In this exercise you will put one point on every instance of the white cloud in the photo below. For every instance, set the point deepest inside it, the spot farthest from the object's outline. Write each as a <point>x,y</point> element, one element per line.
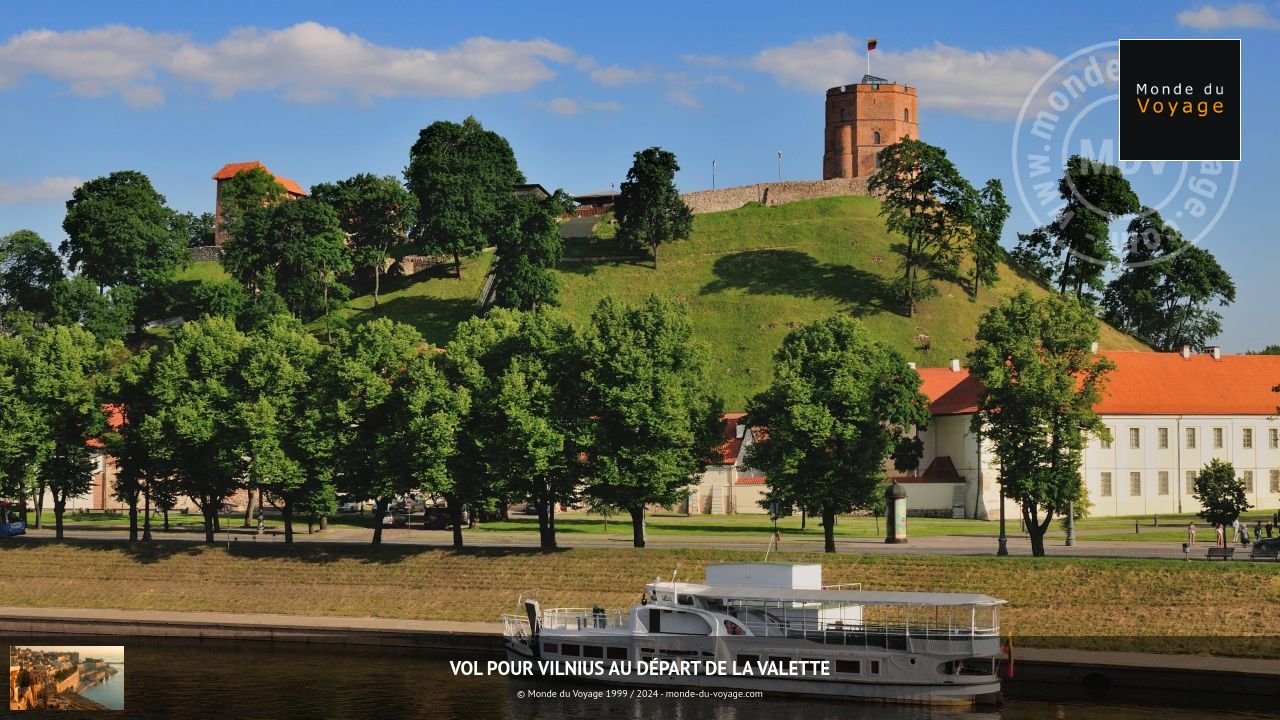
<point>989,85</point>
<point>44,190</point>
<point>569,106</point>
<point>615,75</point>
<point>307,62</point>
<point>1244,15</point>
<point>683,96</point>
<point>705,60</point>
<point>95,62</point>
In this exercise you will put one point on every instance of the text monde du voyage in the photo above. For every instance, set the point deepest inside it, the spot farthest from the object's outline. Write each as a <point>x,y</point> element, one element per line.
<point>1180,100</point>
<point>589,668</point>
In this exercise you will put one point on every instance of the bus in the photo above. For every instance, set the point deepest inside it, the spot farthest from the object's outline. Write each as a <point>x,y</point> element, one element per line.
<point>11,519</point>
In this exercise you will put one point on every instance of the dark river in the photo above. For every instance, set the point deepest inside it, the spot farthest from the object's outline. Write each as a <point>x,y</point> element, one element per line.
<point>251,681</point>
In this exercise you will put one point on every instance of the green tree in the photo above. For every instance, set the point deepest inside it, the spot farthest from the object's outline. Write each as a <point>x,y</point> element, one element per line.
<point>139,461</point>
<point>654,421</point>
<point>65,374</point>
<point>76,301</point>
<point>294,250</point>
<point>28,271</point>
<point>462,176</point>
<point>1220,493</point>
<point>225,298</point>
<point>524,434</point>
<point>359,381</point>
<point>529,247</point>
<point>195,419</point>
<point>119,232</point>
<point>992,212</point>
<point>23,432</point>
<point>926,200</point>
<point>1040,383</point>
<point>195,230</point>
<point>244,192</point>
<point>288,447</point>
<point>376,213</point>
<point>841,403</point>
<point>1268,350</point>
<point>1165,293</point>
<point>649,209</point>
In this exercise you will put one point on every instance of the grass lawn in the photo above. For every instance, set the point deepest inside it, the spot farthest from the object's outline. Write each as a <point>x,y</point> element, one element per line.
<point>750,275</point>
<point>738,525</point>
<point>1153,605</point>
<point>188,278</point>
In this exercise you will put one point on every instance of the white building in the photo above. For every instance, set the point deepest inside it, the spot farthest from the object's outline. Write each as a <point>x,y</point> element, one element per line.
<point>1169,414</point>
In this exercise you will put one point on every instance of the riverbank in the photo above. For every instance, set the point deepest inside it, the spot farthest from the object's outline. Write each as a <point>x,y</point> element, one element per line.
<point>1085,603</point>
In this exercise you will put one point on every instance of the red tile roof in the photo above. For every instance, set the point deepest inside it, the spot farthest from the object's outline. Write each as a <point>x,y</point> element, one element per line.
<point>230,170</point>
<point>1147,383</point>
<point>750,480</point>
<point>115,419</point>
<point>941,470</point>
<point>732,442</point>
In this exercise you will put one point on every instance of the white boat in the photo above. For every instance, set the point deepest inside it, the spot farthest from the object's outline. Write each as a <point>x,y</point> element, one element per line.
<point>775,618</point>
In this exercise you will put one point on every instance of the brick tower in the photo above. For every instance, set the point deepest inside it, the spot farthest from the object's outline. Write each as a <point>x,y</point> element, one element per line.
<point>862,120</point>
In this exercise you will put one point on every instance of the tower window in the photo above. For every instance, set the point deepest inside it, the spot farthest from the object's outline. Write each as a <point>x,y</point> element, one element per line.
<point>906,115</point>
<point>876,137</point>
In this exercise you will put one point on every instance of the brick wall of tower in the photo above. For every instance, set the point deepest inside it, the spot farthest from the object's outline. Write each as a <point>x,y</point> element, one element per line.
<point>854,114</point>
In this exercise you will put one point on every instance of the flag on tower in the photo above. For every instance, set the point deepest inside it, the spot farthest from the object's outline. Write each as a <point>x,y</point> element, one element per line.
<point>871,44</point>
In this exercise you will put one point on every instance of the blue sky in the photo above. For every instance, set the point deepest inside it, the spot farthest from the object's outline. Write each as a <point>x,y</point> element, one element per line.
<point>321,92</point>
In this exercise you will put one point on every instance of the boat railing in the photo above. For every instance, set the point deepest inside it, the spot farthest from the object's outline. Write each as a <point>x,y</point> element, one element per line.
<point>584,619</point>
<point>874,634</point>
<point>515,627</point>
<point>843,586</point>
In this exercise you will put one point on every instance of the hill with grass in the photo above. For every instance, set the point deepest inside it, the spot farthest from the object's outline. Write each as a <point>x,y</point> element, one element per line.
<point>747,276</point>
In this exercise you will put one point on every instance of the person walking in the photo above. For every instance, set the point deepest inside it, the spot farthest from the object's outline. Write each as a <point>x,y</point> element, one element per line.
<point>1244,534</point>
<point>1221,533</point>
<point>1257,531</point>
<point>1235,531</point>
<point>1191,534</point>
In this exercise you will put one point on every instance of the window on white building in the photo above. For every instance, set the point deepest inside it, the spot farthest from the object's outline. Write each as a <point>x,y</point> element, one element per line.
<point>1135,438</point>
<point>1246,438</point>
<point>1273,439</point>
<point>1191,438</point>
<point>1275,481</point>
<point>1162,482</point>
<point>1135,483</point>
<point>1248,481</point>
<point>1191,481</point>
<point>1106,442</point>
<point>1217,438</point>
<point>1105,482</point>
<point>1162,438</point>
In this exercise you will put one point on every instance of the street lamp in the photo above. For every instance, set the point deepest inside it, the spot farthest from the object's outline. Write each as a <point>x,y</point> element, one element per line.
<point>713,174</point>
<point>1004,539</point>
<point>779,166</point>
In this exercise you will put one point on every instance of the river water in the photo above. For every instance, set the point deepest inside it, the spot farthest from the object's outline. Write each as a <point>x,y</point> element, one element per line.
<point>110,692</point>
<point>250,681</point>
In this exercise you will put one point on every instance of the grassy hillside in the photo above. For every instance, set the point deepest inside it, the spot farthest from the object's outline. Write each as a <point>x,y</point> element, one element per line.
<point>748,276</point>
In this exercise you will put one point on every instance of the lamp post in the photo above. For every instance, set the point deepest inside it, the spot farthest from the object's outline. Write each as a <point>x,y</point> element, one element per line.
<point>713,174</point>
<point>779,166</point>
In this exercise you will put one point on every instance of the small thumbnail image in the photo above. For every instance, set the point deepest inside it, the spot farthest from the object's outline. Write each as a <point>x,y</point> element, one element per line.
<point>66,677</point>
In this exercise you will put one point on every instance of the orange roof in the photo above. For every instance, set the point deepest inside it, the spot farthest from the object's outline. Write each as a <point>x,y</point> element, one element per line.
<point>732,443</point>
<point>115,419</point>
<point>230,170</point>
<point>1147,383</point>
<point>750,480</point>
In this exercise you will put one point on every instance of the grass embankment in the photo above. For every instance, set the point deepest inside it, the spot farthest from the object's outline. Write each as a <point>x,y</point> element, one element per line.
<point>749,275</point>
<point>1163,606</point>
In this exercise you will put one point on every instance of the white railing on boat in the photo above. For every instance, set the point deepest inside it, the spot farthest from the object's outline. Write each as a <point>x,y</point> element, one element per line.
<point>843,586</point>
<point>584,619</point>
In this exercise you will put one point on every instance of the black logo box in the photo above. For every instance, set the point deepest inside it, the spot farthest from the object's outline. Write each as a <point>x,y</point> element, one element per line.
<point>1180,65</point>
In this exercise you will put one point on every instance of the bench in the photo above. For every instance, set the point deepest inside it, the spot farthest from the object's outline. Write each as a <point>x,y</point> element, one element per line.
<point>1222,553</point>
<point>1264,553</point>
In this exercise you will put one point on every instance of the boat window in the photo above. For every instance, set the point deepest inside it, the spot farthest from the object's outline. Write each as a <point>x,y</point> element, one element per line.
<point>615,653</point>
<point>686,600</point>
<point>746,660</point>
<point>592,651</point>
<point>569,649</point>
<point>733,628</point>
<point>779,659</point>
<point>875,667</point>
<point>852,667</point>
<point>551,647</point>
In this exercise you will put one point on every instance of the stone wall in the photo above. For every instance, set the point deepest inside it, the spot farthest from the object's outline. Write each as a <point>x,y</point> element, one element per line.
<point>774,193</point>
<point>205,253</point>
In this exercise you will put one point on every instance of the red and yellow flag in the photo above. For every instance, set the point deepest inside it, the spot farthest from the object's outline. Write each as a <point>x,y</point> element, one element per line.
<point>871,44</point>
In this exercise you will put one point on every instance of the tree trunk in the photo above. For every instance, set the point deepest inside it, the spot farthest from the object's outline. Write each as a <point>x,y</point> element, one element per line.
<point>637,525</point>
<point>59,506</point>
<point>324,523</point>
<point>455,518</point>
<point>803,517</point>
<point>829,529</point>
<point>377,277</point>
<point>39,503</point>
<point>210,514</point>
<point>1036,530</point>
<point>133,517</point>
<point>166,519</point>
<point>655,256</point>
<point>379,512</point>
<point>248,507</point>
<point>286,514</point>
<point>546,526</point>
<point>146,518</point>
<point>457,264</point>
